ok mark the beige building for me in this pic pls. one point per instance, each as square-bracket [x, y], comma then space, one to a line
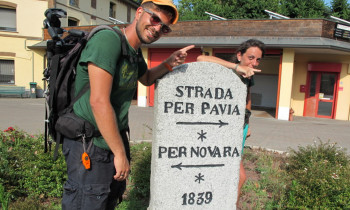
[95, 12]
[306, 68]
[21, 27]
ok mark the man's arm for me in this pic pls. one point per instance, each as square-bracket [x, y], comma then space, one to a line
[175, 59]
[245, 71]
[101, 85]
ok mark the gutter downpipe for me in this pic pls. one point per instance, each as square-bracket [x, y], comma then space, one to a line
[32, 58]
[32, 66]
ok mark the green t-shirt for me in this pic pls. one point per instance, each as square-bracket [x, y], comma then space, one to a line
[104, 50]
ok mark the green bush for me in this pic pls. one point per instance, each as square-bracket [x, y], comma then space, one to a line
[4, 198]
[314, 176]
[267, 189]
[319, 177]
[25, 170]
[35, 204]
[28, 176]
[139, 181]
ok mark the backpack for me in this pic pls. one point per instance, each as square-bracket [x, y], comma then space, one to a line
[63, 56]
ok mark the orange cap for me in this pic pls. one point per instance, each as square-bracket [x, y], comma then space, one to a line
[165, 3]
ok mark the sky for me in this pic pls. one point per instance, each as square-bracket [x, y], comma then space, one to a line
[328, 2]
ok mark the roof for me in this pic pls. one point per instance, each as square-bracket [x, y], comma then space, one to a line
[40, 45]
[275, 33]
[271, 42]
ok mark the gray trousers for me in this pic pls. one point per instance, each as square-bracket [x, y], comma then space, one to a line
[94, 188]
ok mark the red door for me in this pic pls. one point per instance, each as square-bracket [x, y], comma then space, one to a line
[157, 56]
[321, 94]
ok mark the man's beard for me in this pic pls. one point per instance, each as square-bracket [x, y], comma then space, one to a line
[139, 35]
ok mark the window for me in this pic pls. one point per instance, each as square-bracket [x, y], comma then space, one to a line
[73, 21]
[112, 8]
[74, 3]
[93, 4]
[7, 72]
[7, 19]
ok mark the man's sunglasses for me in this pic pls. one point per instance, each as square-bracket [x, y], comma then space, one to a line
[155, 20]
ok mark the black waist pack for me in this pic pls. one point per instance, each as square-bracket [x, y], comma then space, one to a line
[74, 127]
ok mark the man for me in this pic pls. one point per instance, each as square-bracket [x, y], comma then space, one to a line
[112, 85]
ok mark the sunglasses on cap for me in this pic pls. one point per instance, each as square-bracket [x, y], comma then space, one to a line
[155, 20]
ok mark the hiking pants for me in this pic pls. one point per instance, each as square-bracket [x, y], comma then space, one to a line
[94, 188]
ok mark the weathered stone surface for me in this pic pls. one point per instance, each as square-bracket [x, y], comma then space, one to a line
[196, 150]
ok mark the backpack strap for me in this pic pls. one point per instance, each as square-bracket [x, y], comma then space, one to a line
[125, 54]
[81, 93]
[93, 32]
[87, 85]
[53, 78]
[124, 46]
[123, 43]
[59, 139]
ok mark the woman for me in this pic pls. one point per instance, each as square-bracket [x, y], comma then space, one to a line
[248, 57]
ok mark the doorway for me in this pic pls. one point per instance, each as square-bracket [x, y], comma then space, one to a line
[321, 94]
[157, 56]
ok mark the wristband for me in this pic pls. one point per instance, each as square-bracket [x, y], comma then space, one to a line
[168, 66]
[235, 69]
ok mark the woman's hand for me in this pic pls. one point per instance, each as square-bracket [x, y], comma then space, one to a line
[246, 71]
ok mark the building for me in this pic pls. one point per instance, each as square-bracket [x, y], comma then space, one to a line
[21, 27]
[306, 68]
[95, 12]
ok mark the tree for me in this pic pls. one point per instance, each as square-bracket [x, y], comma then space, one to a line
[195, 9]
[340, 9]
[254, 9]
[230, 9]
[304, 8]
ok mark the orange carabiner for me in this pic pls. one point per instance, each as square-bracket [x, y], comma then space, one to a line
[86, 160]
[85, 157]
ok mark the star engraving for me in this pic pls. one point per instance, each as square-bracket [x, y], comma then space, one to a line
[199, 178]
[202, 135]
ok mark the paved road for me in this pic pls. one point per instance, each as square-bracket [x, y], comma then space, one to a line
[28, 114]
[25, 114]
[267, 132]
[302, 131]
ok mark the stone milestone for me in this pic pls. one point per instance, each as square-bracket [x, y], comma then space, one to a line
[197, 138]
